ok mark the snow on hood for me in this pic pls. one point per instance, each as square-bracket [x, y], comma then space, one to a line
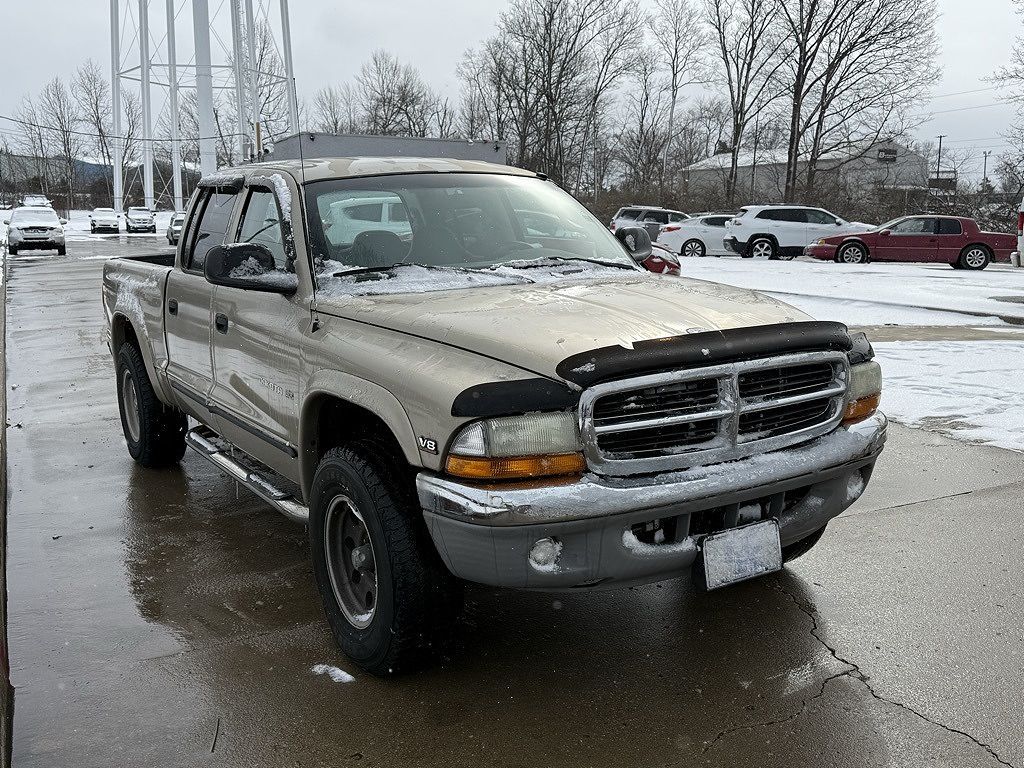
[537, 325]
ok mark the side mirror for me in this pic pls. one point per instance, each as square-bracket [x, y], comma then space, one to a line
[636, 241]
[840, 222]
[7, 221]
[886, 232]
[249, 266]
[63, 222]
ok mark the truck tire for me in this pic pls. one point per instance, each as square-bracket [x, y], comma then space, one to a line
[974, 257]
[12, 250]
[155, 432]
[791, 552]
[390, 601]
[62, 250]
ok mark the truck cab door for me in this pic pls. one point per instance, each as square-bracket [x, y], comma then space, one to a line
[257, 338]
[188, 317]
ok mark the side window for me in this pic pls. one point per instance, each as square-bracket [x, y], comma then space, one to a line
[770, 215]
[950, 227]
[628, 213]
[915, 227]
[659, 216]
[367, 212]
[716, 221]
[793, 215]
[676, 217]
[211, 229]
[819, 217]
[261, 223]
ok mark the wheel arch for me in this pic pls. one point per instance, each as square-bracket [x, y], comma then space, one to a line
[855, 240]
[984, 246]
[123, 330]
[366, 411]
[762, 235]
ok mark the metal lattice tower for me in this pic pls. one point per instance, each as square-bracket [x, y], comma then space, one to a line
[236, 55]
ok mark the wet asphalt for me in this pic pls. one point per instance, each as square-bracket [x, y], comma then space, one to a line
[160, 618]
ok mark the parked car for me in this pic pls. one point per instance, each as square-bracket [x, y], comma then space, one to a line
[479, 403]
[174, 228]
[944, 239]
[104, 219]
[650, 217]
[35, 227]
[140, 220]
[349, 217]
[36, 201]
[782, 231]
[703, 234]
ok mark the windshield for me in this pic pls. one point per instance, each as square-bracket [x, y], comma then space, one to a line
[452, 221]
[37, 216]
[142, 211]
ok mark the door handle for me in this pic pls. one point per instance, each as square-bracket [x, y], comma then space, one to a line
[172, 306]
[221, 321]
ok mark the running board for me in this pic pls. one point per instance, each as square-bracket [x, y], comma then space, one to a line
[199, 440]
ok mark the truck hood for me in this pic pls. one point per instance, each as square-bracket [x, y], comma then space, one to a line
[536, 326]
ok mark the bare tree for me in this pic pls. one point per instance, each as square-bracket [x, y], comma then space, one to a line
[334, 110]
[681, 39]
[856, 70]
[92, 93]
[644, 134]
[750, 50]
[57, 103]
[34, 141]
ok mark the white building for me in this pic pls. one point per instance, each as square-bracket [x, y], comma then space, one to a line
[762, 176]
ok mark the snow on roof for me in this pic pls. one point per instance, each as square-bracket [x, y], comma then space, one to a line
[765, 157]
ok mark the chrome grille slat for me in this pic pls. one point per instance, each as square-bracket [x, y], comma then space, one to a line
[680, 419]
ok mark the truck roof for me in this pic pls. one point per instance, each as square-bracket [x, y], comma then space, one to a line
[318, 169]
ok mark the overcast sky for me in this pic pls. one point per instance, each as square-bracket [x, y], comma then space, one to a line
[331, 38]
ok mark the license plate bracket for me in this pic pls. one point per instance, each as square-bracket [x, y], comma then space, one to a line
[738, 554]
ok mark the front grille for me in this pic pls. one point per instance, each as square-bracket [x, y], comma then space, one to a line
[681, 419]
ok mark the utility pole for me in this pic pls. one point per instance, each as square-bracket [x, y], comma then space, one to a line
[984, 175]
[117, 160]
[938, 164]
[172, 79]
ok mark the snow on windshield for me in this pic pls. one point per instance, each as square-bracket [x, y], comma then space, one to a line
[420, 232]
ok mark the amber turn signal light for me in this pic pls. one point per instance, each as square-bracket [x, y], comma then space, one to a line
[515, 467]
[861, 409]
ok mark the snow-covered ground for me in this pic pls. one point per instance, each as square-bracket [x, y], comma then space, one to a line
[973, 390]
[877, 294]
[970, 390]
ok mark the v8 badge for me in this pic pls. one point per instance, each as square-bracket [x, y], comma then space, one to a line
[428, 444]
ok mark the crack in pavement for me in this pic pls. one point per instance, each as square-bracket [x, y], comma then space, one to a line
[853, 671]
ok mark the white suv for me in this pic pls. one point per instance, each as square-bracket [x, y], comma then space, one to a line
[650, 217]
[140, 220]
[782, 231]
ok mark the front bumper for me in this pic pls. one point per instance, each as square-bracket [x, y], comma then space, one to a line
[826, 252]
[485, 535]
[26, 242]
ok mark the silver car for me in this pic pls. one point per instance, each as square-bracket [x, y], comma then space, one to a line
[140, 220]
[174, 228]
[35, 227]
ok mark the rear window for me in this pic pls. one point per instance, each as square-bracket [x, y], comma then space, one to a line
[950, 227]
[716, 221]
[628, 213]
[34, 216]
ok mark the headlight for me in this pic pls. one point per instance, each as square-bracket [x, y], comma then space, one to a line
[865, 392]
[517, 447]
[820, 242]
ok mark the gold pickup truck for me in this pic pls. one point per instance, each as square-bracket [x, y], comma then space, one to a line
[451, 371]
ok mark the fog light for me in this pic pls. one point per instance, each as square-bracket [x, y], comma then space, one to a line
[544, 554]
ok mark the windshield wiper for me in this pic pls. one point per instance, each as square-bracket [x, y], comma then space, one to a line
[528, 263]
[387, 268]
